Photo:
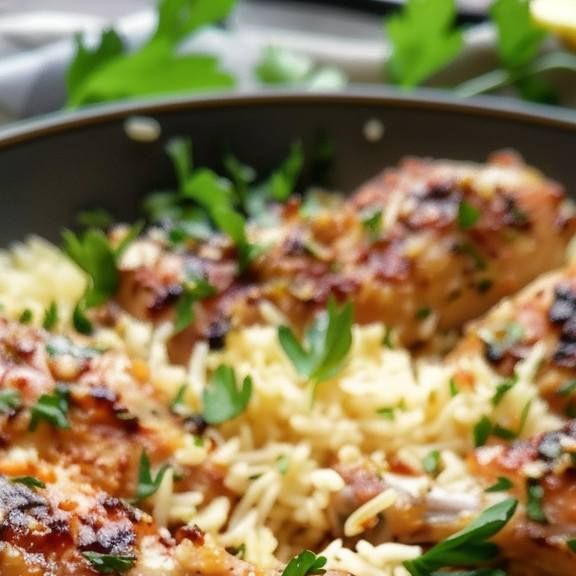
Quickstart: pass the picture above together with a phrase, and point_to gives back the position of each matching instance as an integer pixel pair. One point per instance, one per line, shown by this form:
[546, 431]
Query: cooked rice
[282, 509]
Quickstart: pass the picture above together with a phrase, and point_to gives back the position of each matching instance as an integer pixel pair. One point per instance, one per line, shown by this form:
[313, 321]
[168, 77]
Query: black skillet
[52, 168]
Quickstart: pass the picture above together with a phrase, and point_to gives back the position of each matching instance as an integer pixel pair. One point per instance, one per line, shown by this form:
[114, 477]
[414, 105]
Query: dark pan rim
[442, 102]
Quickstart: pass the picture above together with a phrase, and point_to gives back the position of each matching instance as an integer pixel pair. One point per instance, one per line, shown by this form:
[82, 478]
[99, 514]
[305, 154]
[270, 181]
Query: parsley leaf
[423, 40]
[326, 345]
[305, 564]
[453, 387]
[468, 215]
[431, 462]
[482, 431]
[500, 485]
[502, 389]
[9, 400]
[571, 544]
[26, 317]
[109, 563]
[534, 509]
[193, 291]
[92, 252]
[222, 398]
[50, 317]
[109, 72]
[51, 408]
[519, 38]
[82, 324]
[148, 484]
[178, 405]
[372, 224]
[283, 463]
[469, 546]
[28, 481]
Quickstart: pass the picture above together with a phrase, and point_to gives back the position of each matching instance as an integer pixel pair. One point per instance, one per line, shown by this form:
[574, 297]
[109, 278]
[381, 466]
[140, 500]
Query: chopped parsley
[283, 463]
[469, 546]
[567, 389]
[482, 431]
[423, 313]
[223, 399]
[50, 317]
[26, 317]
[82, 324]
[305, 564]
[534, 508]
[109, 563]
[503, 388]
[387, 339]
[193, 291]
[325, 348]
[571, 544]
[28, 481]
[10, 400]
[52, 409]
[453, 387]
[61, 346]
[178, 406]
[372, 224]
[431, 462]
[501, 485]
[147, 483]
[468, 215]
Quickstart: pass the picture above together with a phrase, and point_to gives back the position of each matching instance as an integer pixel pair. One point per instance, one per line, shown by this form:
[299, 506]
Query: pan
[54, 167]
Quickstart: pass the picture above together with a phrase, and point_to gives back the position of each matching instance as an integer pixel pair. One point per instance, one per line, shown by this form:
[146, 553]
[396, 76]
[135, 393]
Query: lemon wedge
[558, 16]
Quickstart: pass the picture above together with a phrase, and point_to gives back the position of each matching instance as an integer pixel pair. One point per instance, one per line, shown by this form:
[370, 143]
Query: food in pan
[259, 382]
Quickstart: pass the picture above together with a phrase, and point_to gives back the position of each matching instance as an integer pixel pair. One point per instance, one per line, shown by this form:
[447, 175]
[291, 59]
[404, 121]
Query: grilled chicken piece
[431, 244]
[113, 414]
[543, 318]
[542, 472]
[56, 529]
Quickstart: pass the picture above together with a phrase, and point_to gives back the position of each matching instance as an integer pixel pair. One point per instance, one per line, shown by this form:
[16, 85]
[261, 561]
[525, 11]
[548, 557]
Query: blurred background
[57, 54]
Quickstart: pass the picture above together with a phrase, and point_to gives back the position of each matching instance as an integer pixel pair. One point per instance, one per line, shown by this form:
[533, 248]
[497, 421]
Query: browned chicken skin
[452, 239]
[534, 543]
[543, 315]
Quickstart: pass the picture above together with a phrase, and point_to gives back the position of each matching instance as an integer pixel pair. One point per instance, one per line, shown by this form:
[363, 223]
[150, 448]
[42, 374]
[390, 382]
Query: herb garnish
[482, 431]
[387, 339]
[148, 484]
[535, 495]
[178, 406]
[52, 409]
[28, 481]
[193, 291]
[470, 545]
[223, 399]
[109, 72]
[503, 388]
[431, 462]
[305, 564]
[423, 313]
[325, 347]
[423, 40]
[468, 215]
[372, 224]
[283, 463]
[9, 400]
[567, 389]
[50, 317]
[571, 544]
[26, 317]
[109, 563]
[501, 485]
[453, 387]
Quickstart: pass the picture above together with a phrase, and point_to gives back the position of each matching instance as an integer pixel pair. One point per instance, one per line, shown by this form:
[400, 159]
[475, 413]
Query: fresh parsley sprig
[324, 350]
[305, 564]
[424, 40]
[223, 399]
[52, 409]
[28, 481]
[10, 400]
[108, 71]
[193, 290]
[109, 563]
[469, 546]
[148, 484]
